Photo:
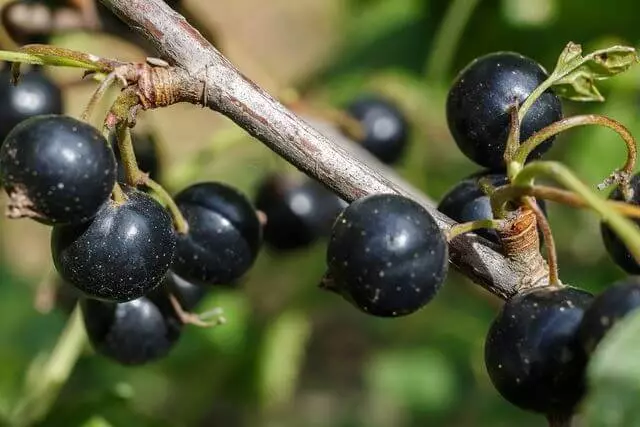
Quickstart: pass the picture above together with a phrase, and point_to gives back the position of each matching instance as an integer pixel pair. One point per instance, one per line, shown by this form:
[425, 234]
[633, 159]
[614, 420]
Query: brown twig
[342, 167]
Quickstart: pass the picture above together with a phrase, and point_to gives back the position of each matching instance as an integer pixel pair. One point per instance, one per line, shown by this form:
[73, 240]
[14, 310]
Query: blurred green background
[290, 354]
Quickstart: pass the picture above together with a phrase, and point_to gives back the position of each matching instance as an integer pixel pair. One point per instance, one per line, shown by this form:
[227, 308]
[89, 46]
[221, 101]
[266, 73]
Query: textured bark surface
[208, 77]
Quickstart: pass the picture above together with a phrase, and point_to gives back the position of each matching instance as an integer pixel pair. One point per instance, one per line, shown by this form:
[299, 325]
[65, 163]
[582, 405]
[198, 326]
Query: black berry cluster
[115, 247]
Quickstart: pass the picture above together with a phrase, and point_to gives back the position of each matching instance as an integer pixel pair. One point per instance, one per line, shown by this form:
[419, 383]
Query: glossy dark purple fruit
[145, 148]
[479, 102]
[384, 125]
[386, 255]
[532, 351]
[36, 94]
[224, 234]
[299, 211]
[620, 299]
[56, 169]
[122, 254]
[134, 332]
[467, 202]
[612, 243]
[187, 294]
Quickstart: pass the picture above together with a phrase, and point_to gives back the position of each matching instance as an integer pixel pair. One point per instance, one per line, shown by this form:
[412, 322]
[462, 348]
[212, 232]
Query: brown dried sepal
[20, 205]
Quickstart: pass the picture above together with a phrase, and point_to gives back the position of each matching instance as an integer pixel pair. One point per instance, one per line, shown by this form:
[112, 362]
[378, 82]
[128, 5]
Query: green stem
[117, 194]
[179, 221]
[470, 226]
[25, 58]
[40, 395]
[132, 173]
[445, 43]
[588, 119]
[97, 96]
[533, 96]
[623, 227]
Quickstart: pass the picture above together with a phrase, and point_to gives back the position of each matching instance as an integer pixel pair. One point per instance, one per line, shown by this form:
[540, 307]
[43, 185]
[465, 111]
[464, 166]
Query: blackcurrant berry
[384, 125]
[612, 243]
[187, 294]
[224, 234]
[145, 148]
[386, 255]
[298, 211]
[134, 332]
[607, 309]
[56, 169]
[35, 95]
[468, 202]
[532, 351]
[122, 254]
[479, 102]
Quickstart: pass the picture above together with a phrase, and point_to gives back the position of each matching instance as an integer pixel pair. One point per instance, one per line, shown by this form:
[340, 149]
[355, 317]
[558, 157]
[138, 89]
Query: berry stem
[509, 192]
[513, 143]
[117, 194]
[179, 222]
[549, 242]
[97, 96]
[447, 38]
[132, 173]
[623, 227]
[52, 373]
[622, 176]
[470, 226]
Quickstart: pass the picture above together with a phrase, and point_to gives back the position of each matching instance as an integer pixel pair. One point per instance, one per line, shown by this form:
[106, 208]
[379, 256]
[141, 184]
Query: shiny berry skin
[386, 255]
[607, 309]
[122, 254]
[145, 148]
[36, 94]
[532, 351]
[467, 202]
[187, 294]
[134, 332]
[56, 169]
[384, 125]
[479, 102]
[612, 243]
[224, 234]
[299, 212]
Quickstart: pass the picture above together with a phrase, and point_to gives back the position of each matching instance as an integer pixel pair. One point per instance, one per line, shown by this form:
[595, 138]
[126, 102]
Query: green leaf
[575, 75]
[614, 377]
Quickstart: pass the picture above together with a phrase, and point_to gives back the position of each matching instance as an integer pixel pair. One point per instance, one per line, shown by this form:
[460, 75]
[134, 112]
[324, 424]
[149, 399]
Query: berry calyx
[298, 211]
[480, 99]
[607, 309]
[224, 234]
[532, 353]
[384, 126]
[386, 255]
[56, 169]
[618, 251]
[36, 94]
[134, 332]
[122, 254]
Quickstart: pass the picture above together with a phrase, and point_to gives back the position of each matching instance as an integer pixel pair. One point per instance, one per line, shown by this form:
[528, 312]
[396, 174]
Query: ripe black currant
[384, 125]
[386, 255]
[56, 169]
[187, 294]
[612, 243]
[145, 148]
[532, 351]
[224, 234]
[35, 95]
[607, 309]
[133, 332]
[479, 102]
[298, 211]
[467, 202]
[122, 254]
